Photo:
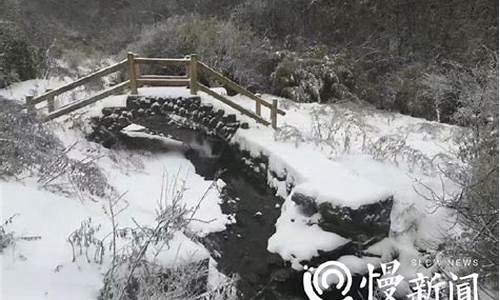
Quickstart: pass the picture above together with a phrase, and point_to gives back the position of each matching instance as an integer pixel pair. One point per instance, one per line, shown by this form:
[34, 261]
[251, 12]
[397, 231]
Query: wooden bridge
[194, 70]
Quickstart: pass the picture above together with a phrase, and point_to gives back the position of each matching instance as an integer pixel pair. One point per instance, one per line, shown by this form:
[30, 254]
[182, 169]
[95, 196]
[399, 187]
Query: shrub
[307, 78]
[29, 149]
[19, 60]
[475, 204]
[233, 50]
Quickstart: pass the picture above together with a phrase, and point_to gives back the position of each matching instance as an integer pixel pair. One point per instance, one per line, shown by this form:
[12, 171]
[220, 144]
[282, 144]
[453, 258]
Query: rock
[235, 125]
[360, 224]
[166, 107]
[161, 101]
[244, 125]
[220, 113]
[155, 107]
[213, 123]
[144, 103]
[206, 107]
[308, 206]
[107, 111]
[126, 114]
[231, 118]
[194, 100]
[219, 126]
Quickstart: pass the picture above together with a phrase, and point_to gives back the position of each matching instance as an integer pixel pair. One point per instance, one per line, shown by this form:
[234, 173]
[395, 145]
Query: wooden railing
[194, 70]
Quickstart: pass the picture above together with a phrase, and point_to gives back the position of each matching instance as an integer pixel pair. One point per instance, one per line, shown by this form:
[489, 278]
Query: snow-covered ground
[344, 154]
[43, 268]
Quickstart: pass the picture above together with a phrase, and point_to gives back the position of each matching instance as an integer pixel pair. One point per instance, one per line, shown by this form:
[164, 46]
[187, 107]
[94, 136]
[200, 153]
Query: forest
[408, 56]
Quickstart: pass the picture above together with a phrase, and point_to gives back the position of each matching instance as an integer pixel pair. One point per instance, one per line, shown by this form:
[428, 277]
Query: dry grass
[28, 148]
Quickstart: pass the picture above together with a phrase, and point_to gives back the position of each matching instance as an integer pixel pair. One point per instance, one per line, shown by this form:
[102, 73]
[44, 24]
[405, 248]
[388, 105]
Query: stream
[242, 248]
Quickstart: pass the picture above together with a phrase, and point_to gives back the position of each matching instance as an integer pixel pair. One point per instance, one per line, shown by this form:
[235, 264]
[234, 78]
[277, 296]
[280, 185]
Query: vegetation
[476, 204]
[426, 58]
[29, 149]
[401, 56]
[19, 59]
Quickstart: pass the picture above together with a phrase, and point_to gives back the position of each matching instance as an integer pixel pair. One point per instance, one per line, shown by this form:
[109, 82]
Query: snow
[28, 269]
[134, 130]
[296, 239]
[314, 174]
[134, 127]
[43, 268]
[347, 172]
[344, 170]
[19, 90]
[143, 185]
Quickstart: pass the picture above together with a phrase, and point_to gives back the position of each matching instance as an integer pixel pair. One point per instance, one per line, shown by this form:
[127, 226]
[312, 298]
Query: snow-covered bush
[155, 281]
[475, 204]
[307, 78]
[336, 130]
[289, 133]
[233, 50]
[424, 90]
[83, 241]
[28, 148]
[19, 59]
[393, 148]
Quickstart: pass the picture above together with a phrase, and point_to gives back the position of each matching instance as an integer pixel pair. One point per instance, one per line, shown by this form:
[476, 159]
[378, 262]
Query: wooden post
[132, 73]
[188, 67]
[137, 73]
[29, 107]
[274, 114]
[193, 74]
[258, 105]
[50, 102]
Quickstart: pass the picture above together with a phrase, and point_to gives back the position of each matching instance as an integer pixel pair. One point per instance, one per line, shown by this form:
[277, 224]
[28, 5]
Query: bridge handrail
[81, 81]
[238, 88]
[193, 69]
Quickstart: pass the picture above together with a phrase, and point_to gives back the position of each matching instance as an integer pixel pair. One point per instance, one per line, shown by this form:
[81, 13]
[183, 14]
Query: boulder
[359, 224]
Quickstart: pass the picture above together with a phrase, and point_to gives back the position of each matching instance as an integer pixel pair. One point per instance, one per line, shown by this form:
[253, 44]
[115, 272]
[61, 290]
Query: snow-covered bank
[43, 268]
